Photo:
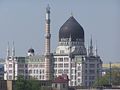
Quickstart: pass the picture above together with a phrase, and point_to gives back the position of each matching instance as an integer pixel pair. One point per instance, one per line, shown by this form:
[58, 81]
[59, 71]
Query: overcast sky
[23, 21]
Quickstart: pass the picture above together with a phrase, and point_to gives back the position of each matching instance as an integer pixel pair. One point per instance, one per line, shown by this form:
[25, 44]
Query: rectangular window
[55, 85]
[10, 77]
[10, 71]
[72, 71]
[72, 64]
[92, 65]
[63, 85]
[30, 71]
[97, 65]
[66, 59]
[40, 71]
[61, 51]
[60, 65]
[55, 65]
[60, 59]
[10, 65]
[43, 71]
[66, 71]
[43, 77]
[26, 66]
[40, 76]
[72, 77]
[30, 65]
[35, 65]
[26, 71]
[91, 71]
[79, 74]
[85, 65]
[79, 68]
[86, 72]
[55, 71]
[41, 65]
[36, 76]
[78, 79]
[36, 71]
[85, 77]
[91, 77]
[60, 71]
[66, 65]
[20, 65]
[55, 59]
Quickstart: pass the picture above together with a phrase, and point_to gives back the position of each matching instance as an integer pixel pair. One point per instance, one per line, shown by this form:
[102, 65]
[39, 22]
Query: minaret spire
[47, 45]
[96, 50]
[13, 50]
[91, 48]
[8, 50]
[88, 50]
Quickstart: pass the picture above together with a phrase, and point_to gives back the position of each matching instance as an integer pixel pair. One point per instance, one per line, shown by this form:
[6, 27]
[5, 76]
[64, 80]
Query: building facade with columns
[70, 57]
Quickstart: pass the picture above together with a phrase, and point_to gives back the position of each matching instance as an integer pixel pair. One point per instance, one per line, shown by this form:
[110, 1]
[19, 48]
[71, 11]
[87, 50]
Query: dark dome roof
[31, 50]
[71, 28]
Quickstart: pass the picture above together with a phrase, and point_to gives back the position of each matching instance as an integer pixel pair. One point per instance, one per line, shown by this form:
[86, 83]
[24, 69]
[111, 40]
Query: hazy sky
[23, 21]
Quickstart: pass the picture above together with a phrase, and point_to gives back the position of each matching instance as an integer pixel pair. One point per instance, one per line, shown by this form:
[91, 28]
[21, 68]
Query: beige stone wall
[9, 85]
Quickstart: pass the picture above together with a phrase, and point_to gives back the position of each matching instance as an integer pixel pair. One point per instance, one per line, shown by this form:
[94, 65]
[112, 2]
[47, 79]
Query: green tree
[105, 80]
[101, 81]
[115, 76]
[22, 84]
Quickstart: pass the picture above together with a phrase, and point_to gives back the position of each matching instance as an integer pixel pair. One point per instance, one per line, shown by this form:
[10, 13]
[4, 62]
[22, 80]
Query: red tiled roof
[60, 79]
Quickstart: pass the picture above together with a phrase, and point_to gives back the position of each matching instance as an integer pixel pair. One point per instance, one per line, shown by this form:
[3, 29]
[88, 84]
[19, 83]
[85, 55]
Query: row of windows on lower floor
[66, 65]
[90, 83]
[74, 83]
[67, 71]
[38, 77]
[22, 71]
[41, 65]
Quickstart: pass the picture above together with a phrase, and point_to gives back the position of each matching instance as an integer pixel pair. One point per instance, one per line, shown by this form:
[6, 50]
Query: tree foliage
[22, 84]
[105, 80]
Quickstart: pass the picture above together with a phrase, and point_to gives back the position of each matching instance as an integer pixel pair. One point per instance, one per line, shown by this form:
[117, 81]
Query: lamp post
[110, 71]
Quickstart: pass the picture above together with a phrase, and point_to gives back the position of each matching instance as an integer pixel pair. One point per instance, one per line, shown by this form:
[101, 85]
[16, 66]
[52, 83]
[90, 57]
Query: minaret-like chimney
[8, 51]
[13, 50]
[47, 31]
[96, 50]
[47, 45]
[13, 58]
[88, 50]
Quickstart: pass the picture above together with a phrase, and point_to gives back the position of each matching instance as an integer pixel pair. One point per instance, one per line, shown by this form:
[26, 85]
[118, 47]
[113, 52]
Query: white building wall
[74, 73]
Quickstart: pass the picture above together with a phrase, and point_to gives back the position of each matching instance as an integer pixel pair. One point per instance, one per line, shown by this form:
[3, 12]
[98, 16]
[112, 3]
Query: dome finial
[48, 9]
[71, 14]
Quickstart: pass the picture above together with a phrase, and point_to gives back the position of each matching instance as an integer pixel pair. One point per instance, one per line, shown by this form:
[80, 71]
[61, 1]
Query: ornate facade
[71, 57]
